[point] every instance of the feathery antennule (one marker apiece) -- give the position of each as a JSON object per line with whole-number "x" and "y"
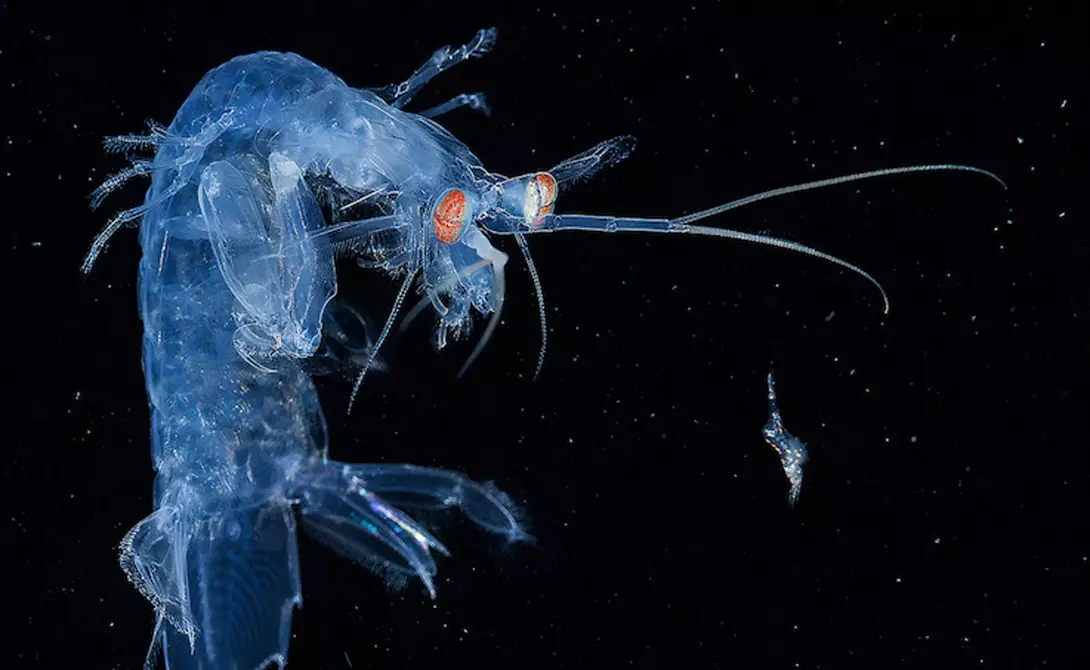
{"x": 103, "y": 238}
{"x": 140, "y": 168}
{"x": 156, "y": 136}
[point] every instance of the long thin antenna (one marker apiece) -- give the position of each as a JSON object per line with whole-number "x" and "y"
{"x": 405, "y": 286}
{"x": 525, "y": 249}
{"x": 682, "y": 224}
{"x": 834, "y": 181}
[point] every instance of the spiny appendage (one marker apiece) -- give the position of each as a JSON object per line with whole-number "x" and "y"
{"x": 140, "y": 167}
{"x": 358, "y": 512}
{"x": 482, "y": 43}
{"x": 791, "y": 450}
{"x": 152, "y": 555}
{"x": 443, "y": 59}
{"x": 101, "y": 240}
{"x": 157, "y": 137}
{"x": 603, "y": 155}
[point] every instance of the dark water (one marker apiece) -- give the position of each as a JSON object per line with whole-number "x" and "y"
{"x": 942, "y": 520}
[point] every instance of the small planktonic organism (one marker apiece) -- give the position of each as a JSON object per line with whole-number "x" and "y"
{"x": 791, "y": 450}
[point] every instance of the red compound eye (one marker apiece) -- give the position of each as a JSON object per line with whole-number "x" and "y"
{"x": 449, "y": 215}
{"x": 547, "y": 183}
{"x": 546, "y": 191}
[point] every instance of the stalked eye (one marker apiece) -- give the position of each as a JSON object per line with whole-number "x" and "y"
{"x": 547, "y": 183}
{"x": 540, "y": 196}
{"x": 449, "y": 216}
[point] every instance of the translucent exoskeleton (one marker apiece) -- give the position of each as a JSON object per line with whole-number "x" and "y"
{"x": 411, "y": 199}
{"x": 238, "y": 294}
{"x": 790, "y": 449}
{"x": 237, "y": 289}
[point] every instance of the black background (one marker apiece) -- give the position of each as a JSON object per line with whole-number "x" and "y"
{"x": 943, "y": 516}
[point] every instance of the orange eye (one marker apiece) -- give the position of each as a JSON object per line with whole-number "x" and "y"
{"x": 449, "y": 215}
{"x": 547, "y": 183}
{"x": 540, "y": 196}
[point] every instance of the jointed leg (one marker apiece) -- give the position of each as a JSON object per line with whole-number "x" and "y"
{"x": 472, "y": 100}
{"x": 399, "y": 95}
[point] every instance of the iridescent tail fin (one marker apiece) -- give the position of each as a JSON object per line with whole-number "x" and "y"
{"x": 224, "y": 585}
{"x": 357, "y": 510}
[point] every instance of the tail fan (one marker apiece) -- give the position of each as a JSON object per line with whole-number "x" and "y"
{"x": 224, "y": 586}
{"x": 227, "y": 585}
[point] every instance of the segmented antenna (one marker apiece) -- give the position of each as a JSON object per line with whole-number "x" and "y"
{"x": 525, "y": 248}
{"x": 140, "y": 168}
{"x": 382, "y": 337}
